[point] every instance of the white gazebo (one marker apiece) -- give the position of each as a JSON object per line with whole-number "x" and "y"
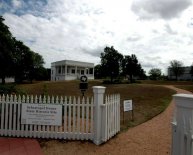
{"x": 71, "y": 70}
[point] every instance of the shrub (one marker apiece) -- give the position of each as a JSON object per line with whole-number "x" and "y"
{"x": 8, "y": 89}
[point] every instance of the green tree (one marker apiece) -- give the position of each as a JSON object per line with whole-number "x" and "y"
{"x": 98, "y": 71}
{"x": 16, "y": 59}
{"x": 141, "y": 73}
{"x": 27, "y": 62}
{"x": 131, "y": 67}
{"x": 177, "y": 68}
{"x": 6, "y": 48}
{"x": 191, "y": 70}
{"x": 155, "y": 73}
{"x": 36, "y": 67}
{"x": 111, "y": 61}
{"x": 22, "y": 61}
{"x": 42, "y": 74}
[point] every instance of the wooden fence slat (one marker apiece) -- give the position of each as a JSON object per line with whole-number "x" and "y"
{"x": 74, "y": 119}
{"x": 18, "y": 116}
{"x": 78, "y": 119}
{"x": 47, "y": 127}
{"x": 91, "y": 123}
{"x": 2, "y": 115}
{"x": 10, "y": 115}
{"x": 83, "y": 118}
{"x": 114, "y": 114}
{"x": 111, "y": 110}
{"x": 14, "y": 115}
{"x": 69, "y": 118}
{"x": 6, "y": 115}
{"x": 106, "y": 118}
{"x": 87, "y": 117}
{"x": 56, "y": 128}
{"x": 43, "y": 126}
{"x": 118, "y": 113}
{"x": 60, "y": 128}
{"x": 65, "y": 116}
{"x": 109, "y": 118}
{"x": 115, "y": 104}
{"x": 26, "y": 129}
{"x": 52, "y": 127}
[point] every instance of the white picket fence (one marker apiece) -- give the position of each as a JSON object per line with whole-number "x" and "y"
{"x": 182, "y": 125}
{"x": 95, "y": 119}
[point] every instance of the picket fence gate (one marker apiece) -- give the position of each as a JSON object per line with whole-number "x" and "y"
{"x": 96, "y": 119}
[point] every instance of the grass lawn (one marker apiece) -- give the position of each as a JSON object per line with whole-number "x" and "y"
{"x": 186, "y": 87}
{"x": 148, "y": 100}
{"x": 165, "y": 82}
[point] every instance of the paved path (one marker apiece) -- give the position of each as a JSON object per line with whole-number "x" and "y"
{"x": 150, "y": 138}
{"x": 19, "y": 146}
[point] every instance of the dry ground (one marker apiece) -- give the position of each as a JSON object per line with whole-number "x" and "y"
{"x": 148, "y": 100}
{"x": 150, "y": 138}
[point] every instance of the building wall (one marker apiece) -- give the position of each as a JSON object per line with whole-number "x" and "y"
{"x": 185, "y": 76}
{"x": 8, "y": 80}
{"x": 71, "y": 70}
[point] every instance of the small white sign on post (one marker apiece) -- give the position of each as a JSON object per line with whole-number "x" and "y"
{"x": 128, "y": 105}
{"x": 41, "y": 114}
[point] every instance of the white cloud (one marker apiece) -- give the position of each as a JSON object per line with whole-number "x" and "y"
{"x": 79, "y": 30}
{"x": 167, "y": 9}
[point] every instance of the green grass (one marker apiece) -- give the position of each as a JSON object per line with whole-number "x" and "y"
{"x": 186, "y": 87}
{"x": 148, "y": 100}
{"x": 165, "y": 82}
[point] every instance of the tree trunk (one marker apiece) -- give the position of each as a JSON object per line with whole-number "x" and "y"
{"x": 3, "y": 80}
{"x": 131, "y": 78}
{"x": 111, "y": 78}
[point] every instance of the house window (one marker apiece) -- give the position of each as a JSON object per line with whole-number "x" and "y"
{"x": 73, "y": 71}
{"x": 63, "y": 69}
{"x": 59, "y": 70}
{"x": 87, "y": 71}
{"x": 82, "y": 72}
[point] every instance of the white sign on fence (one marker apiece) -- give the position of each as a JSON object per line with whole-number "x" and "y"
{"x": 41, "y": 114}
{"x": 127, "y": 105}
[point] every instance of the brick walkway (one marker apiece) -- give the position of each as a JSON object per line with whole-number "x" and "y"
{"x": 19, "y": 146}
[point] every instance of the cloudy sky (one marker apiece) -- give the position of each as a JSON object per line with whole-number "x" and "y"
{"x": 156, "y": 31}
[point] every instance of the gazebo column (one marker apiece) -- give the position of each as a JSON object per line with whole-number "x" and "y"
{"x": 76, "y": 71}
{"x": 65, "y": 73}
{"x": 61, "y": 70}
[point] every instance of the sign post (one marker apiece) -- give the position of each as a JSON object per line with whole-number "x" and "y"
{"x": 128, "y": 106}
{"x": 83, "y": 86}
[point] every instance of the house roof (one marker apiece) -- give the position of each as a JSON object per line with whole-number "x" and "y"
{"x": 72, "y": 63}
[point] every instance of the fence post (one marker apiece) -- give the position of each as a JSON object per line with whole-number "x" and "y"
{"x": 98, "y": 101}
{"x": 183, "y": 124}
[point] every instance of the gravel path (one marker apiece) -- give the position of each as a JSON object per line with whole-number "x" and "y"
{"x": 150, "y": 138}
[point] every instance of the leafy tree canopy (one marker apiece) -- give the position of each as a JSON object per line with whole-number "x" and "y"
{"x": 16, "y": 59}
{"x": 111, "y": 61}
{"x": 177, "y": 68}
{"x": 155, "y": 73}
{"x": 131, "y": 67}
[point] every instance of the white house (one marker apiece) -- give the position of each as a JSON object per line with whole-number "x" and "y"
{"x": 185, "y": 76}
{"x": 8, "y": 80}
{"x": 71, "y": 70}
